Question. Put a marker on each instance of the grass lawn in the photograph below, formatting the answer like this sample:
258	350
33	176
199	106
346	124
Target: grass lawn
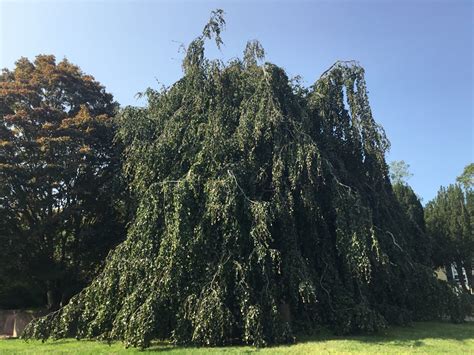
423	337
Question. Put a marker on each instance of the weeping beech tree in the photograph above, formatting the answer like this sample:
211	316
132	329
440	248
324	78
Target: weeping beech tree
263	208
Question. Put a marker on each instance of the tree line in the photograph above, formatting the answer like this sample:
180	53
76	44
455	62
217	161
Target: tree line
447	221
236	206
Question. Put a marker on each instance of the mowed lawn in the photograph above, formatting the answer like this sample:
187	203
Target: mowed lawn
423	337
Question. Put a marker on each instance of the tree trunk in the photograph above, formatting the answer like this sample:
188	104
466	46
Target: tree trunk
468	267
449	273
462	279
52	296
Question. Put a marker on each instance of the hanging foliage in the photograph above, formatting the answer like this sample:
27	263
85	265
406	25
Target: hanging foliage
263	208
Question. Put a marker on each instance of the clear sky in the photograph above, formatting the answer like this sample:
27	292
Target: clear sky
418	57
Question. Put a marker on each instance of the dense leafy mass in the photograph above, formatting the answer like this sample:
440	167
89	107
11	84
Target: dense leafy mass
60	199
263	208
450	221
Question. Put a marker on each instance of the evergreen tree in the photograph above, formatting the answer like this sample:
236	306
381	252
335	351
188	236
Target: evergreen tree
449	218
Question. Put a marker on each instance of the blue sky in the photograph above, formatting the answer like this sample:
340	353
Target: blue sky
418	57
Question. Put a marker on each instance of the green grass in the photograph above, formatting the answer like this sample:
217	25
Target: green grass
426	337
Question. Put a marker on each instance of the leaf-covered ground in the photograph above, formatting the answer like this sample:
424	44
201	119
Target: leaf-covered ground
433	338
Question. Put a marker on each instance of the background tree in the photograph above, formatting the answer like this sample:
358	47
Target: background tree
466	179
59	176
399	172
420	242
449	218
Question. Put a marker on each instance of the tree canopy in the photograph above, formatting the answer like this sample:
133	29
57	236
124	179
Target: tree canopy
450	222
59	202
262	208
466	179
399	172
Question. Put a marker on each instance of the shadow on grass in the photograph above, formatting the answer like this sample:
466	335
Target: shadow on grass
407	335
412	336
